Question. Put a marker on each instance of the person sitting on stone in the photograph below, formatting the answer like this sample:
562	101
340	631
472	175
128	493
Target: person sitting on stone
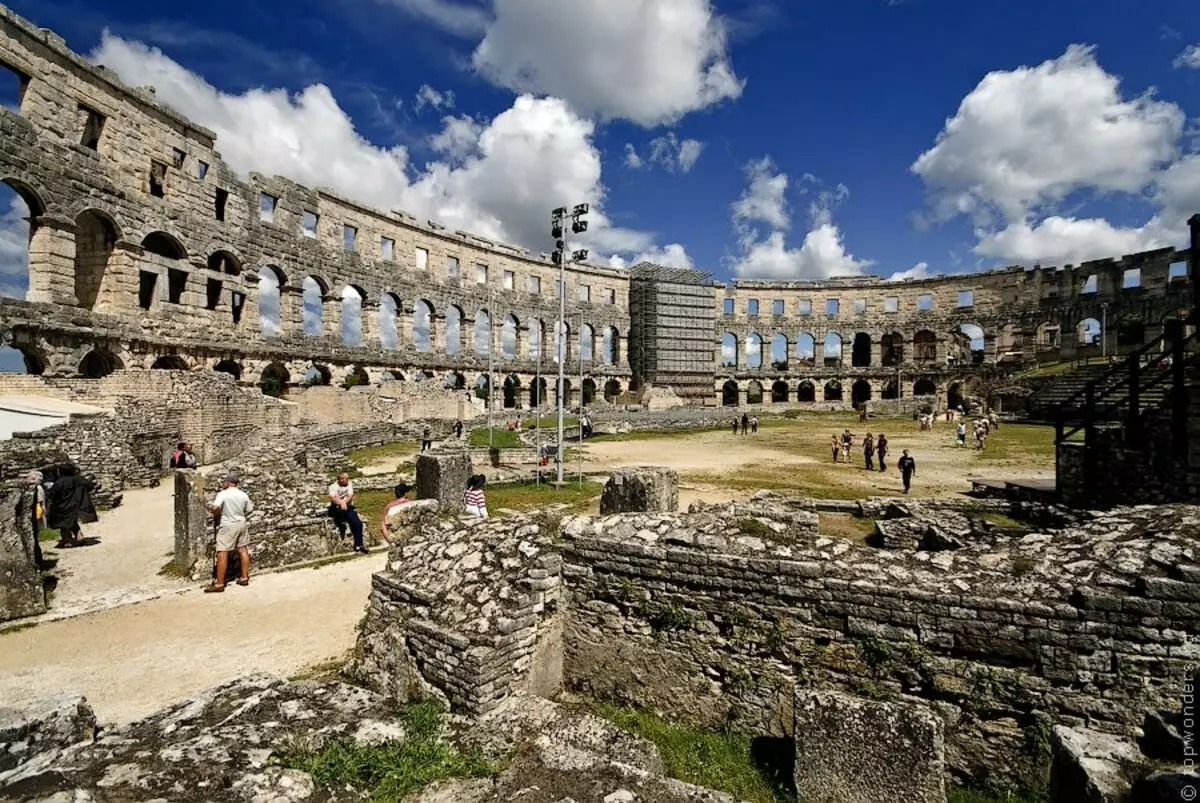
474	502
343	512
401	492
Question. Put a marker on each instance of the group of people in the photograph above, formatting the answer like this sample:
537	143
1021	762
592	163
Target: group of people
749	423
183	456
60	498
982	429
873	448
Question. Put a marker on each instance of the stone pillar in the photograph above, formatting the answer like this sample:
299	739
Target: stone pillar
21	589
365	328
194	537
642	489
52	261
840	757
443	477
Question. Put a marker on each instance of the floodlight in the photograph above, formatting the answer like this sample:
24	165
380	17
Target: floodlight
579	226
580	255
560	212
580	209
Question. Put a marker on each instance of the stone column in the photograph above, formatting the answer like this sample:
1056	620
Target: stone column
443	477
119	287
366	328
52	261
642	489
194	538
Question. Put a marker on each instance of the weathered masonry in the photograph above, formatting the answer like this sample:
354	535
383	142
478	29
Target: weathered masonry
147	251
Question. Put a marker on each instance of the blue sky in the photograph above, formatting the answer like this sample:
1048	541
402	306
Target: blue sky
767	139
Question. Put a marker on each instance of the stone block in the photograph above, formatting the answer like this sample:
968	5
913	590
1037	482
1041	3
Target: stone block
1091	767
43	726
21	590
851	750
193	526
641	489
443	476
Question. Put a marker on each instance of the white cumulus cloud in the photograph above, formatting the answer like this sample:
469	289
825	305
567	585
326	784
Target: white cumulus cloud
668	152
14	247
497	179
1062	240
672	256
1189	58
648	61
917	271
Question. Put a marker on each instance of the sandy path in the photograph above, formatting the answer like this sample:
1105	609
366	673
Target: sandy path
134	660
703	451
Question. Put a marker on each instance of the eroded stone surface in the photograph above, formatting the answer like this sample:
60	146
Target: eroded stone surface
642	489
43	726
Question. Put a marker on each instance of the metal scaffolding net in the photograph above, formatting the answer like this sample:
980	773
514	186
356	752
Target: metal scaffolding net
673	313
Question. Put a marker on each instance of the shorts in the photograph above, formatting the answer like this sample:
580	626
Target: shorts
476	510
233	536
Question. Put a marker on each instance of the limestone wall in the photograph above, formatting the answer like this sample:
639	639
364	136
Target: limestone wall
21	589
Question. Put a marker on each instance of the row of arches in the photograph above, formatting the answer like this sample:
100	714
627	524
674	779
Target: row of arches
834	391
802	350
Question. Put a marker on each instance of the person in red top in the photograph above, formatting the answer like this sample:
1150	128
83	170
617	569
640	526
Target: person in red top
401	492
474	501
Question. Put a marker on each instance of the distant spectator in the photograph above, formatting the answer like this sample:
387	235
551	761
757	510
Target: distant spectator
70	502
37	512
961	433
745	423
401	492
230	509
754	425
474	501
836	445
908	469
458	429
426	439
183	457
343	512
735	425
869	452
881	449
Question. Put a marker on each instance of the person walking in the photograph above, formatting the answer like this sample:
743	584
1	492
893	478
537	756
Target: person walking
908	469
474	502
847	442
754	425
458	430
836	445
961	433
401	492
745	423
881	449
69	502
343	512
230	509
34	497
869	452
426	439
735	425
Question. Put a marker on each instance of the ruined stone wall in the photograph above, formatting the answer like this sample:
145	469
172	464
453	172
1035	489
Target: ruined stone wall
21	589
711	620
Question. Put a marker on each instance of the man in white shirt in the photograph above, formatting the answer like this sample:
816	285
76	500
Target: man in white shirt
230	508
341	509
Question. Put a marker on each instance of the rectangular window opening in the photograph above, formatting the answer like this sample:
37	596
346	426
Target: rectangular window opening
610	296
158	179
832	306
266	207
93	127
891	304
805	306
213	296
308	223
421	258
558	288
481	274
387	249
752	306
177	156
777	307
219	205
176	282
1131	279
237	301
966	298
585	293
349	237
1089	286
13	84
925	303
146	282
452	267
201	169
508	279
1177	272
535	285
860	306
729	306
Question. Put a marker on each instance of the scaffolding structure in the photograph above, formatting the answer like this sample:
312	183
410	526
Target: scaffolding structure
673	314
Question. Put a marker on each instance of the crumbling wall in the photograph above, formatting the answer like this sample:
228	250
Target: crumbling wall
21	589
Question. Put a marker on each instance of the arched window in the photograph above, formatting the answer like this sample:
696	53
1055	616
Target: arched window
860	352
729	350
754	351
806	349
422	325
508	336
452	331
352	302
779	351
270	301
389	313
806	392
483	333
833	353
534	338
587	342
313	315
729	394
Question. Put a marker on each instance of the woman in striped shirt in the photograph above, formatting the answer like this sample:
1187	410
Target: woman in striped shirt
473	500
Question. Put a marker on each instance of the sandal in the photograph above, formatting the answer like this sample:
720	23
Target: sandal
213	589
243	581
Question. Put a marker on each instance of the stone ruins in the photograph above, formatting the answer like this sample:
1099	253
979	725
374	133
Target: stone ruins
278	327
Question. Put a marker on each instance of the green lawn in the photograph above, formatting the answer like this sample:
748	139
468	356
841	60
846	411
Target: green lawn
502	438
549	422
383	451
524	496
1017	443
649	435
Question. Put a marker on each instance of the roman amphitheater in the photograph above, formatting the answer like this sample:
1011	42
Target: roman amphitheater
1024	626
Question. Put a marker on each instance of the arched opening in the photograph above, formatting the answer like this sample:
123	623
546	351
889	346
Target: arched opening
779	392
224	262
21	358
534	345
274	380
422	322
537	392
833	391
1088	332
890	391
612	389
231	367
483	386
971	344
452	331
729	394
754	392
512	389
891	349
924	387
833	351
924	347
270	301
860	352
455	381
508	336
754	351
610	346
170	362
562	341
860	393
587	342
566	391
164	245
779	351
954	396
589	391
20	208
1048	336
806	350
352	304
312	315
317	374
392	375
483	333
1130	331
95	238
356	377
806	392
729	350
99	363
388	320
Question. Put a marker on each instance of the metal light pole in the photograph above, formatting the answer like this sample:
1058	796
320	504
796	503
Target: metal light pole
1104	329
578	226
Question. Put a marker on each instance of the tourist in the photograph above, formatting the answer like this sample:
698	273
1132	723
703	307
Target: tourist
881	449
230	509
401	492
69	503
343	512
869	452
961	433
745	423
474	502
908	469
735	425
183	457
458	430
754	425
836	445
994	420
847	442
36	500
426	439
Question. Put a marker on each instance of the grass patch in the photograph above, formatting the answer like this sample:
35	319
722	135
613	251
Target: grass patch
754	527
523	496
47	534
502	438
649	435
549	422
330	670
1017	443
1004	521
173	569
846	526
17	628
393	770
812	481
384	451
721	761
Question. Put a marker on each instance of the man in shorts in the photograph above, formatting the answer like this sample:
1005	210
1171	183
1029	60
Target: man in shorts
230	508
